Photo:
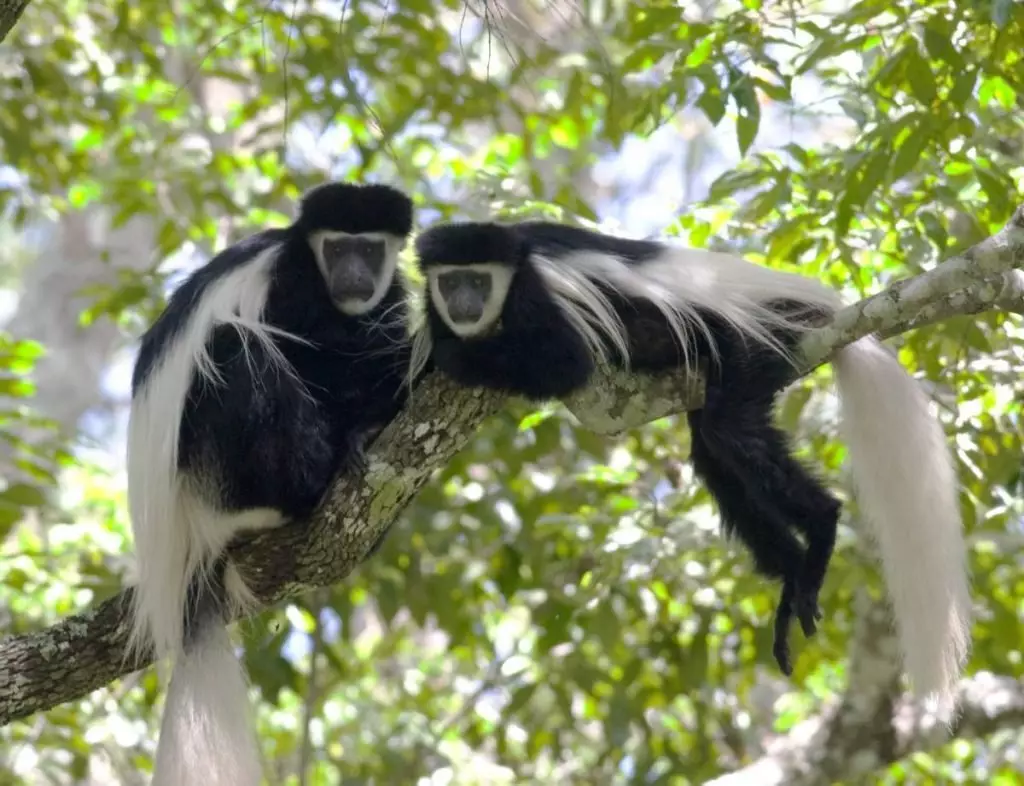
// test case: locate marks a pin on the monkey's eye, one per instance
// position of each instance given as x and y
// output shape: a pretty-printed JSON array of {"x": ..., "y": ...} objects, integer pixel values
[
  {"x": 449, "y": 283},
  {"x": 372, "y": 252},
  {"x": 479, "y": 281}
]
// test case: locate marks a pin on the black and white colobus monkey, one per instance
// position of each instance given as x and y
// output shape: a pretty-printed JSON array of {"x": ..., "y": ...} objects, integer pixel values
[
  {"x": 260, "y": 381},
  {"x": 528, "y": 308}
]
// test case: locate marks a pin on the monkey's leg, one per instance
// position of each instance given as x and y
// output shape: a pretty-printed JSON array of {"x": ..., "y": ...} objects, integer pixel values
[
  {"x": 811, "y": 509},
  {"x": 761, "y": 527},
  {"x": 270, "y": 437},
  {"x": 759, "y": 454}
]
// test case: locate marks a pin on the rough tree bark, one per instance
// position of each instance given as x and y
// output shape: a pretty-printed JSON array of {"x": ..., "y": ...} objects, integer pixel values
[
  {"x": 10, "y": 12},
  {"x": 62, "y": 663}
]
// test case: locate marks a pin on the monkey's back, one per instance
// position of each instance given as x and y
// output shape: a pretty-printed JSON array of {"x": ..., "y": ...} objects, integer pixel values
[{"x": 267, "y": 434}]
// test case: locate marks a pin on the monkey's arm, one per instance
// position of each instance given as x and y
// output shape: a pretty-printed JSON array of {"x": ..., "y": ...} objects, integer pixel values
[
  {"x": 534, "y": 364},
  {"x": 262, "y": 427}
]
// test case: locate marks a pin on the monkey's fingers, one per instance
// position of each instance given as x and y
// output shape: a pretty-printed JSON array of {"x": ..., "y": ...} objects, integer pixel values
[
  {"x": 808, "y": 613},
  {"x": 808, "y": 610},
  {"x": 783, "y": 618},
  {"x": 356, "y": 461}
]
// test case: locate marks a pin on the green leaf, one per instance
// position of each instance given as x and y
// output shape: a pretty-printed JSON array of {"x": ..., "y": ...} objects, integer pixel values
[
  {"x": 16, "y": 387},
  {"x": 861, "y": 183},
  {"x": 701, "y": 52},
  {"x": 23, "y": 495},
  {"x": 534, "y": 419},
  {"x": 963, "y": 87},
  {"x": 996, "y": 87},
  {"x": 774, "y": 91},
  {"x": 997, "y": 191},
  {"x": 764, "y": 204},
  {"x": 909, "y": 152},
  {"x": 890, "y": 74},
  {"x": 937, "y": 40},
  {"x": 798, "y": 153},
  {"x": 828, "y": 46},
  {"x": 565, "y": 133},
  {"x": 749, "y": 118},
  {"x": 920, "y": 76},
  {"x": 934, "y": 229},
  {"x": 712, "y": 103},
  {"x": 737, "y": 180},
  {"x": 509, "y": 561},
  {"x": 81, "y": 194},
  {"x": 9, "y": 516},
  {"x": 520, "y": 698}
]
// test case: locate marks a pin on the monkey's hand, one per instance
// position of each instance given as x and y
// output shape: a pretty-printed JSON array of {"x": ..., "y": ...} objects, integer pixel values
[
  {"x": 356, "y": 462},
  {"x": 798, "y": 602},
  {"x": 535, "y": 364}
]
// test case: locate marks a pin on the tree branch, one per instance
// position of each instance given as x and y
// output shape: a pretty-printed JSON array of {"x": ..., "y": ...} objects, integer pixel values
[
  {"x": 890, "y": 311},
  {"x": 874, "y": 724},
  {"x": 10, "y": 13},
  {"x": 82, "y": 653}
]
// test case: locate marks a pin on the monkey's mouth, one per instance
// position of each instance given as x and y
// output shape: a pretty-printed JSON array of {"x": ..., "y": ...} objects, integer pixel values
[
  {"x": 349, "y": 295},
  {"x": 348, "y": 288}
]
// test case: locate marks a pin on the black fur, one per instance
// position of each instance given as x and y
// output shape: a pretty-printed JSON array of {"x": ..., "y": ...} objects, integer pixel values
[
  {"x": 355, "y": 209},
  {"x": 765, "y": 496},
  {"x": 267, "y": 439}
]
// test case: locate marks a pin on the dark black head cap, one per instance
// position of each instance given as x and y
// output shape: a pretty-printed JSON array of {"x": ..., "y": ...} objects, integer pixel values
[
  {"x": 470, "y": 243},
  {"x": 355, "y": 209}
]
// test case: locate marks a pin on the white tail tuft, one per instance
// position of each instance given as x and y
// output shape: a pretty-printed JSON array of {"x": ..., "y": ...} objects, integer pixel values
[
  {"x": 907, "y": 491},
  {"x": 207, "y": 736},
  {"x": 177, "y": 535}
]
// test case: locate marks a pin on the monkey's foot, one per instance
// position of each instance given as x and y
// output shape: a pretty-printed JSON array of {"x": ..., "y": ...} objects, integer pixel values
[
  {"x": 808, "y": 611},
  {"x": 783, "y": 618},
  {"x": 794, "y": 601},
  {"x": 356, "y": 461}
]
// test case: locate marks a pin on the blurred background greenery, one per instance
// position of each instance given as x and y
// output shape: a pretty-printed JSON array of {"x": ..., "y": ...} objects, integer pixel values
[{"x": 556, "y": 607}]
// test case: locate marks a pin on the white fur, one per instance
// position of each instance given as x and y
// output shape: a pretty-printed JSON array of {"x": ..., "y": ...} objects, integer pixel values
[
  {"x": 678, "y": 283},
  {"x": 178, "y": 534},
  {"x": 501, "y": 277},
  {"x": 392, "y": 248},
  {"x": 419, "y": 354},
  {"x": 208, "y": 737},
  {"x": 585, "y": 305},
  {"x": 908, "y": 494}
]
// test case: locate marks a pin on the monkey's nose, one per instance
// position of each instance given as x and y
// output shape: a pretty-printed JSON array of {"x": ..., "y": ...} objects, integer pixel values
[
  {"x": 352, "y": 281},
  {"x": 465, "y": 307}
]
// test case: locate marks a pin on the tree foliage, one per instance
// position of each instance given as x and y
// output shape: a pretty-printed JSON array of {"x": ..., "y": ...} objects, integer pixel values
[{"x": 556, "y": 606}]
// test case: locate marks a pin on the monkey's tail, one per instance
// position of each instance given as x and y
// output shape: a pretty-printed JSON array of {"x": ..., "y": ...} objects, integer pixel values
[
  {"x": 207, "y": 735},
  {"x": 907, "y": 491}
]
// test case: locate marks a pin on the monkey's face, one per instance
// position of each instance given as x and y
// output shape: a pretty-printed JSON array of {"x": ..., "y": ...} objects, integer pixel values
[
  {"x": 358, "y": 269},
  {"x": 469, "y": 297}
]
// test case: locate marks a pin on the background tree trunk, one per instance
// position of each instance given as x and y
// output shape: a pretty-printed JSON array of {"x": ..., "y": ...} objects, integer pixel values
[{"x": 10, "y": 11}]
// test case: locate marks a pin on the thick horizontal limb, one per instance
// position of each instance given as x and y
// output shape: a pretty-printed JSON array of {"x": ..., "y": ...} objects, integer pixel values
[{"x": 75, "y": 656}]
